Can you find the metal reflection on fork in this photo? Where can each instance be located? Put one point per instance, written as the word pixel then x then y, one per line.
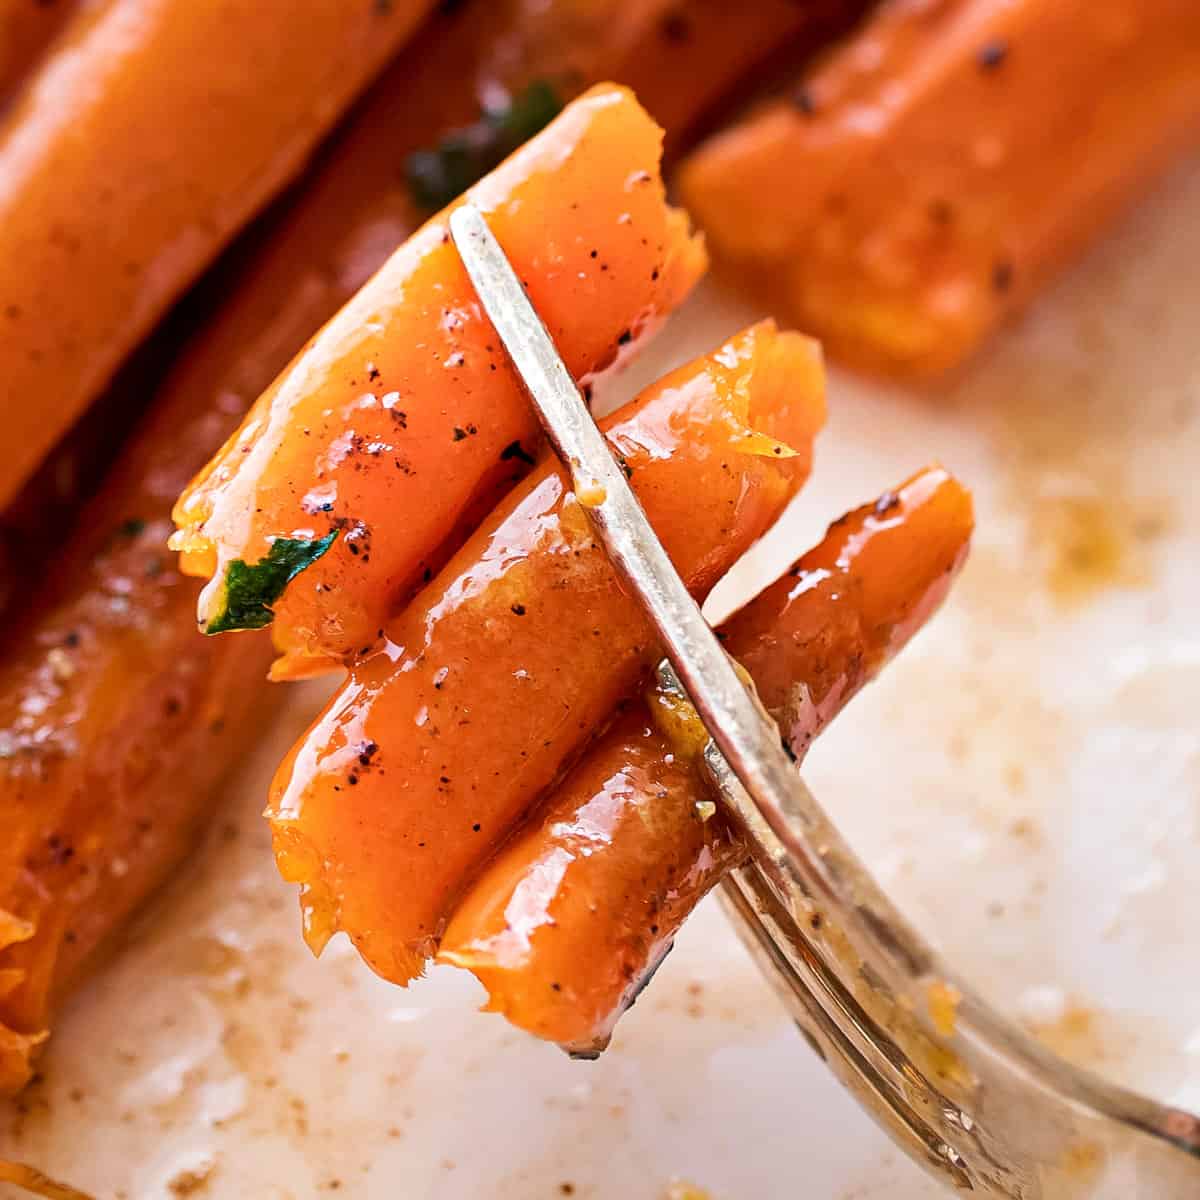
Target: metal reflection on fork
pixel 981 1107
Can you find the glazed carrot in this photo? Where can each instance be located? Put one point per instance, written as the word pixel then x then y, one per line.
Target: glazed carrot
pixel 568 921
pixel 143 145
pixel 505 664
pixel 116 720
pixel 928 179
pixel 338 231
pixel 402 417
pixel 26 27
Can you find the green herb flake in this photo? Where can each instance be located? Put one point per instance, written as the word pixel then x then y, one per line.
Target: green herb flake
pixel 251 588
pixel 464 156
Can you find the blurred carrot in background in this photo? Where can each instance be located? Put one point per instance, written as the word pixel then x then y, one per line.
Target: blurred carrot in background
pixel 149 138
pixel 928 179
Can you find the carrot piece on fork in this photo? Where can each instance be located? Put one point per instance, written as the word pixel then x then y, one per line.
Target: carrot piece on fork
pixel 568 920
pixel 500 671
pixel 402 420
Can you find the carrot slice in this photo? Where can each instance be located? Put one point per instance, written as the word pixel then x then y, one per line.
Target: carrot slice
pixel 145 143
pixel 405 404
pixel 927 180
pixel 499 671
pixel 565 925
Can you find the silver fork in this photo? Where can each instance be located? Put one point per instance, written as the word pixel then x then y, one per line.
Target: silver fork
pixel 981 1107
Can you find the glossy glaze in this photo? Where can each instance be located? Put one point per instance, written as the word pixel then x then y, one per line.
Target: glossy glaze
pixel 144 145
pixel 506 664
pixel 405 402
pixel 564 926
pixel 924 183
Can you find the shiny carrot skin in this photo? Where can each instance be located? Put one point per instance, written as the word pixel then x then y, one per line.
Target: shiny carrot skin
pixel 566 923
pixel 402 418
pixel 504 666
pixel 925 182
pixel 26 28
pixel 152 135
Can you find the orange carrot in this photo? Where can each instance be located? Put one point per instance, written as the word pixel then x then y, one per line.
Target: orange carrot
pixel 504 666
pixel 116 719
pixel 152 135
pixel 926 181
pixel 565 925
pixel 402 417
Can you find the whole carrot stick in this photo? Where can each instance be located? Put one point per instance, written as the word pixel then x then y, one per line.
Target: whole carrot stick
pixel 405 404
pixel 137 152
pixel 925 182
pixel 566 923
pixel 503 667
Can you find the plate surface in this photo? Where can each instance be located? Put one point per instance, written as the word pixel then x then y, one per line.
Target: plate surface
pixel 1025 781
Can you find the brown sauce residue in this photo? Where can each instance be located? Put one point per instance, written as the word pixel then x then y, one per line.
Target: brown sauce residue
pixel 1068 458
pixel 1074 1034
pixel 191 1182
pixel 1088 544
pixel 1083 1161
pixel 680 1189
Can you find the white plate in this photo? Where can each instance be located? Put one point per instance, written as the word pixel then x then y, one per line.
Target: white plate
pixel 1026 782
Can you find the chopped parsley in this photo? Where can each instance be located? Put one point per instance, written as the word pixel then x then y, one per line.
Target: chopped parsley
pixel 251 588
pixel 463 156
